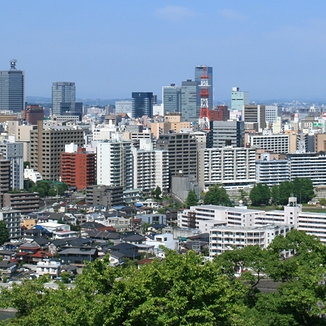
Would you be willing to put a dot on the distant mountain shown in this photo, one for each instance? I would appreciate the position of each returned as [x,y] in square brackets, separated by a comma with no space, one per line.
[86,101]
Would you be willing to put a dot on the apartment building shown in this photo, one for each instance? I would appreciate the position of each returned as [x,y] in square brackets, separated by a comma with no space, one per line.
[230,166]
[12,219]
[25,202]
[223,238]
[48,143]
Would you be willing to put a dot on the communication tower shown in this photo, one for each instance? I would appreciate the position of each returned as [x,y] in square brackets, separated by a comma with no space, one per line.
[204,95]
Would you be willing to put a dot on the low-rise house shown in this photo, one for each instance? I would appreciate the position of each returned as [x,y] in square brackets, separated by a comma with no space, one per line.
[127,250]
[78,256]
[134,239]
[48,267]
[7,269]
[165,240]
[7,255]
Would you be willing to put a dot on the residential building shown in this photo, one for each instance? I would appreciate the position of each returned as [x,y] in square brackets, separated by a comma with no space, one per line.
[32,175]
[171,97]
[189,108]
[142,104]
[230,166]
[151,167]
[48,143]
[14,152]
[223,238]
[320,142]
[182,149]
[12,219]
[271,171]
[5,177]
[12,89]
[25,202]
[106,196]
[63,97]
[48,267]
[115,163]
[78,167]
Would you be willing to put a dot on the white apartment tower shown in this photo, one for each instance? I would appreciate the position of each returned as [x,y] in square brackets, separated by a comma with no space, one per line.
[115,163]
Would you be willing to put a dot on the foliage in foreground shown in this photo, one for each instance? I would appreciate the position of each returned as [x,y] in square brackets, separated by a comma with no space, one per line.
[181,290]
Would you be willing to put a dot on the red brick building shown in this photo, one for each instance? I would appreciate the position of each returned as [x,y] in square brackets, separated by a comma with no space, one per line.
[78,168]
[219,113]
[33,113]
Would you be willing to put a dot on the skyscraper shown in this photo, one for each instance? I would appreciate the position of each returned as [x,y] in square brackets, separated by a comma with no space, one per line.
[199,71]
[238,99]
[171,96]
[12,96]
[142,104]
[63,97]
[189,108]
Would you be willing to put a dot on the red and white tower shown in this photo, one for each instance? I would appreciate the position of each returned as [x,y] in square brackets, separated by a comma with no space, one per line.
[204,95]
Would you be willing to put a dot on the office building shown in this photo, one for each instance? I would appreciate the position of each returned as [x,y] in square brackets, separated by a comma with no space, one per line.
[199,71]
[115,163]
[230,166]
[219,113]
[142,104]
[78,167]
[255,114]
[171,97]
[277,143]
[12,89]
[182,148]
[46,146]
[189,108]
[227,133]
[5,177]
[239,99]
[63,97]
[272,112]
[32,114]
[124,107]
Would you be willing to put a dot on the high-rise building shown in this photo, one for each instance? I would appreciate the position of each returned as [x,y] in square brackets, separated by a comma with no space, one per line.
[12,96]
[199,71]
[115,163]
[238,99]
[171,97]
[33,113]
[63,97]
[78,167]
[14,152]
[182,148]
[142,104]
[227,133]
[151,167]
[255,113]
[189,109]
[46,145]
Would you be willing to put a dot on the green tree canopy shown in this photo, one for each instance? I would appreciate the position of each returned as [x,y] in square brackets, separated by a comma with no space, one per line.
[192,199]
[260,194]
[4,233]
[217,195]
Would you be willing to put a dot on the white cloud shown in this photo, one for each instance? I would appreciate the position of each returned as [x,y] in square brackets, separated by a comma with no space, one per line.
[174,13]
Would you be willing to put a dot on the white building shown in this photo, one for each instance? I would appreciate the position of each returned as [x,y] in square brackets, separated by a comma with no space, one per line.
[124,107]
[32,175]
[223,238]
[12,218]
[48,267]
[165,239]
[151,167]
[115,163]
[230,166]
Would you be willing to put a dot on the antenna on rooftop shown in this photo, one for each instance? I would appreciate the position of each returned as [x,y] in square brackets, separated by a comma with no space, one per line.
[13,64]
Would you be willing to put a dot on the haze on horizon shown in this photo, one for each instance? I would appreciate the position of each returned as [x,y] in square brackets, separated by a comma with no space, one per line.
[274,50]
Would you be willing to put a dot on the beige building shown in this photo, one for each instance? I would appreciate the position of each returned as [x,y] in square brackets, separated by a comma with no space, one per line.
[46,146]
[320,142]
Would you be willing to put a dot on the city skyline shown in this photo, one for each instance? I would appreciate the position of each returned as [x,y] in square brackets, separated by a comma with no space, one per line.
[273,50]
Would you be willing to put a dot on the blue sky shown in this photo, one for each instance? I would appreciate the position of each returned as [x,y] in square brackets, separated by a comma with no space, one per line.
[273,49]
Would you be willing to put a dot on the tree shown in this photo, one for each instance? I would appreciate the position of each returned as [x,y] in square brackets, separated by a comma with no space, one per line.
[192,199]
[157,192]
[260,194]
[217,195]
[275,195]
[4,233]
[285,191]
